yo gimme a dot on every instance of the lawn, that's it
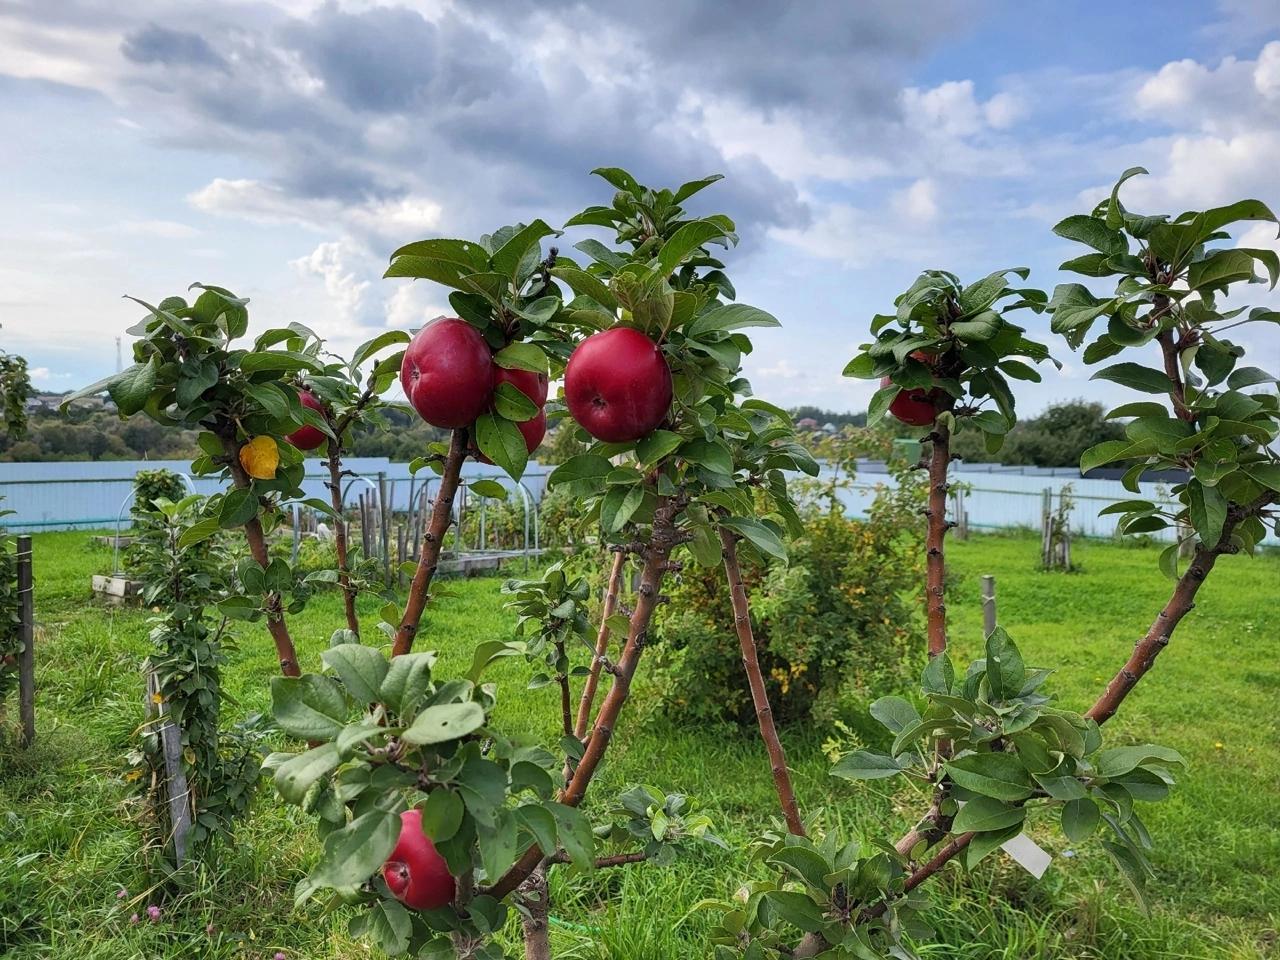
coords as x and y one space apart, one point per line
69 842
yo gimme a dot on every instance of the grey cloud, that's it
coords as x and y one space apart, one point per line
157 44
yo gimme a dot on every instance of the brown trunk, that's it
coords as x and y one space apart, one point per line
759 695
340 537
285 652
935 563
535 924
566 696
441 515
661 543
602 645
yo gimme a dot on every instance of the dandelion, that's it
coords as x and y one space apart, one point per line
153 912
1218 745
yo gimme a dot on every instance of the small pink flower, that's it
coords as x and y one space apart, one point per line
121 893
280 955
153 912
134 918
209 929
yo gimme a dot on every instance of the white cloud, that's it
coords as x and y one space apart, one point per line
1266 73
918 201
1003 110
333 263
168 229
948 109
263 202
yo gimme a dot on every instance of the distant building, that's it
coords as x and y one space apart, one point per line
807 423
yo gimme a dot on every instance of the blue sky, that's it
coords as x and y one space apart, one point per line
283 149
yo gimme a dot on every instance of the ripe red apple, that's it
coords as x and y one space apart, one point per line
447 373
533 430
914 407
308 437
416 874
532 385
617 385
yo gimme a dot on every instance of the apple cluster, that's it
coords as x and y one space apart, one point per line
617 384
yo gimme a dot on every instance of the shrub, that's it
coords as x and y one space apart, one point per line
837 622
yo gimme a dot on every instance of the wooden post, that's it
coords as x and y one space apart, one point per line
27 636
988 604
384 527
1046 528
177 794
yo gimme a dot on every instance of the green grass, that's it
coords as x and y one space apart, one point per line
69 839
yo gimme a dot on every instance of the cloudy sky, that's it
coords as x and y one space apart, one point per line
283 149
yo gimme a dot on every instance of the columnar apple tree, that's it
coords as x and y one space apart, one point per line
991 746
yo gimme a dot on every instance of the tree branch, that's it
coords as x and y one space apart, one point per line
935 564
276 626
602 645
663 539
433 540
759 695
340 535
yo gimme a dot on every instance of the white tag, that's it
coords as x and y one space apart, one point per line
1028 854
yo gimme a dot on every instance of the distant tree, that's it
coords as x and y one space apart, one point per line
823 417
1055 438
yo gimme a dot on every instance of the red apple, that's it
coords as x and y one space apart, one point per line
617 385
533 431
532 385
447 373
415 872
308 437
914 407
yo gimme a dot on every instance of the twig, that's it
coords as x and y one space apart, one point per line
602 645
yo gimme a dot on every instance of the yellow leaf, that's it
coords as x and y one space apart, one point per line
260 457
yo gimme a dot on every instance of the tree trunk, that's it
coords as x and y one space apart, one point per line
759 695
935 563
340 537
602 645
535 924
441 514
276 626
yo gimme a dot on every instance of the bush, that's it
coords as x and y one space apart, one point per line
840 620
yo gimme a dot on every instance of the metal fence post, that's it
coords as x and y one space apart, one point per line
988 604
27 655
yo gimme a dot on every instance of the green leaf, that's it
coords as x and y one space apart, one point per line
389 925
507 258
356 852
1080 819
1264 474
587 285
619 505
983 814
759 534
712 454
584 466
1208 509
294 777
540 822
498 843
310 707
375 344
1109 451
239 506
797 909
1005 670
866 765
1135 376
686 240
1117 761
444 722
199 531
502 442
895 713
688 189
657 445
488 488
575 834
361 670
442 814
732 316
1220 268
522 355
407 680
511 403
278 361
131 388
1094 233
998 775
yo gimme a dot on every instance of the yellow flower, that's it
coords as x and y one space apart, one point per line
1218 745
260 458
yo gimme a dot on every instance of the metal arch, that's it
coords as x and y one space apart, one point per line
133 492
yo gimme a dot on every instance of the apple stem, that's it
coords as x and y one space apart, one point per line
759 694
441 517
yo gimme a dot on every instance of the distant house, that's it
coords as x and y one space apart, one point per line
807 423
829 427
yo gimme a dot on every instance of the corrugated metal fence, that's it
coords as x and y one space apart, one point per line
66 495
